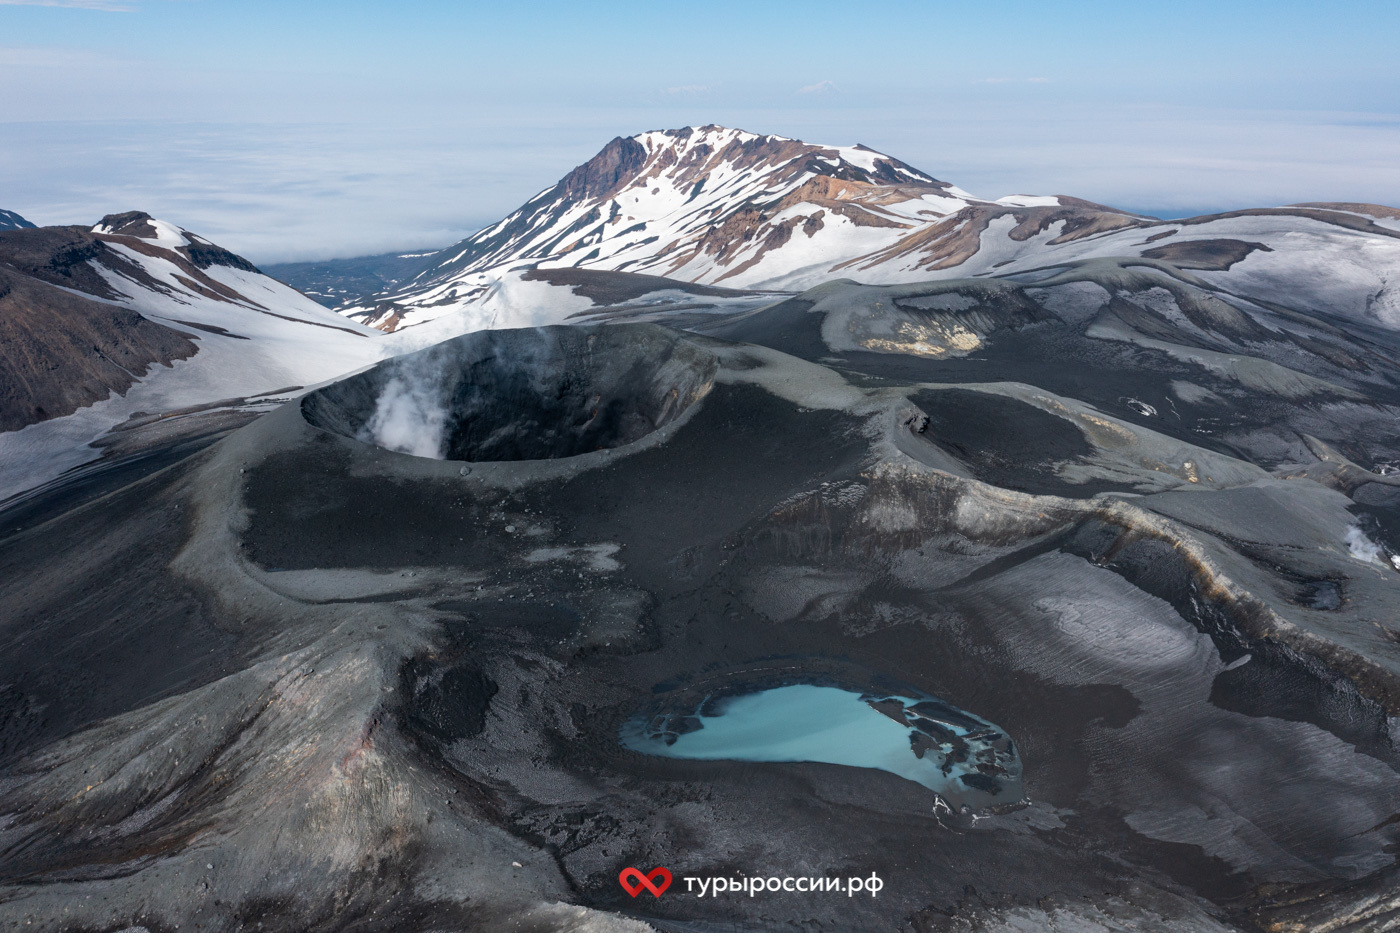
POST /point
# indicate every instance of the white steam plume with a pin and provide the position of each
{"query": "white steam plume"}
(1364, 549)
(409, 417)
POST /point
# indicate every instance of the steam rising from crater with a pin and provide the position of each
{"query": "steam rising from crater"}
(409, 417)
(1364, 549)
(527, 394)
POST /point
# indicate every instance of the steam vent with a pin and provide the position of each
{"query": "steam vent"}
(531, 394)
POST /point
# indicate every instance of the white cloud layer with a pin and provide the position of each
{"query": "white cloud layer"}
(278, 192)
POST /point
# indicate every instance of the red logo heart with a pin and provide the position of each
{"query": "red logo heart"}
(647, 881)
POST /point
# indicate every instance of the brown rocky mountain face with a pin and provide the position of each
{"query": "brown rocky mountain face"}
(65, 340)
(60, 256)
(60, 352)
(602, 175)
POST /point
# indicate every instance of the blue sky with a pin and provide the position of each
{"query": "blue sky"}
(310, 129)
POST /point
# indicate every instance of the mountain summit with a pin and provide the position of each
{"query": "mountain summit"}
(716, 205)
(681, 202)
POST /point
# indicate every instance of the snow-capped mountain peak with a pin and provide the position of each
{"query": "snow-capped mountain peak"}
(717, 155)
(700, 204)
(714, 206)
(143, 226)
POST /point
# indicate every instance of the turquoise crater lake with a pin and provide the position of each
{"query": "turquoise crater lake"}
(964, 759)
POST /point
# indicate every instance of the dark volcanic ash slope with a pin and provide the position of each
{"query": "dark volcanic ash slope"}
(1096, 510)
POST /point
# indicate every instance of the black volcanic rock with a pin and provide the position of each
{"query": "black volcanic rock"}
(529, 394)
(1215, 254)
(603, 287)
(1139, 511)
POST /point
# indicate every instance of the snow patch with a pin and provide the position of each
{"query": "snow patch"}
(1029, 200)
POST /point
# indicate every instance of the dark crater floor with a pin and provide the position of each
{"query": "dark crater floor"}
(1005, 441)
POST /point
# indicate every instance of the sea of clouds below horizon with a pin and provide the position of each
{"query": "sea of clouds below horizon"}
(302, 191)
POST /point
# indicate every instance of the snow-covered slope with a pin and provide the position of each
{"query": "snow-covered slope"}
(726, 207)
(9, 220)
(211, 328)
(540, 297)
